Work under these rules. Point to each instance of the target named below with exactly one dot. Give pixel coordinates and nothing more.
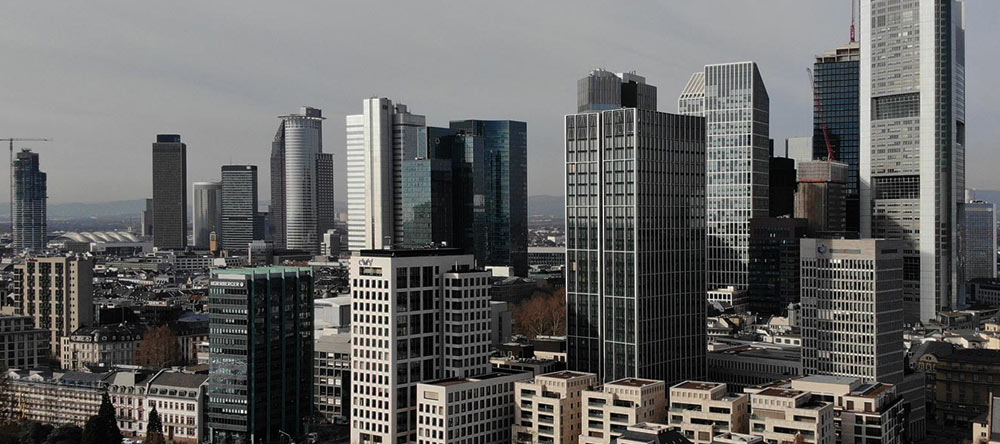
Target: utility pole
(11, 141)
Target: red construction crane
(822, 119)
(11, 141)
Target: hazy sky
(102, 78)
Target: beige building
(57, 292)
(547, 408)
(475, 409)
(610, 410)
(782, 415)
(102, 347)
(863, 412)
(56, 398)
(702, 410)
(21, 344)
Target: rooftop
(411, 252)
(973, 356)
(697, 385)
(780, 393)
(565, 375)
(633, 382)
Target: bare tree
(159, 348)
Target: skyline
(219, 75)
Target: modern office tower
(332, 393)
(475, 409)
(427, 202)
(737, 156)
(405, 319)
(783, 414)
(552, 396)
(774, 263)
(261, 354)
(206, 198)
(303, 142)
(852, 323)
(331, 243)
(913, 120)
(692, 99)
(837, 83)
(326, 213)
(702, 410)
(146, 219)
(239, 208)
(603, 90)
(634, 214)
(369, 175)
(169, 192)
(619, 404)
(22, 345)
(277, 206)
(501, 324)
(821, 197)
(57, 293)
(29, 208)
(501, 168)
(781, 186)
(980, 234)
(799, 149)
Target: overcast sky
(102, 78)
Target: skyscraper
(30, 199)
(57, 293)
(821, 197)
(774, 263)
(635, 214)
(913, 120)
(326, 214)
(240, 223)
(736, 114)
(169, 192)
(277, 207)
(980, 234)
(261, 361)
(369, 175)
(781, 186)
(207, 200)
(837, 80)
(146, 219)
(852, 323)
(692, 99)
(496, 153)
(303, 142)
(604, 90)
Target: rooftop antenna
(853, 4)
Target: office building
(21, 344)
(837, 86)
(603, 90)
(475, 409)
(782, 414)
(702, 410)
(913, 120)
(799, 149)
(302, 137)
(369, 175)
(57, 293)
(326, 213)
(737, 162)
(146, 219)
(821, 197)
(207, 200)
(332, 393)
(418, 316)
(746, 365)
(980, 235)
(619, 404)
(774, 263)
(261, 372)
(634, 214)
(169, 192)
(427, 202)
(240, 225)
(30, 225)
(851, 308)
(692, 99)
(781, 187)
(964, 381)
(277, 207)
(180, 400)
(501, 324)
(549, 408)
(101, 346)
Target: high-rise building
(146, 219)
(837, 83)
(774, 263)
(852, 323)
(603, 90)
(261, 354)
(430, 193)
(737, 141)
(980, 235)
(409, 309)
(912, 172)
(634, 215)
(277, 206)
(497, 173)
(799, 149)
(240, 224)
(781, 186)
(169, 192)
(30, 197)
(206, 198)
(369, 175)
(692, 99)
(821, 197)
(303, 142)
(326, 213)
(57, 293)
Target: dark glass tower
(277, 211)
(774, 263)
(492, 166)
(261, 362)
(30, 198)
(240, 224)
(838, 84)
(169, 192)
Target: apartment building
(784, 415)
(702, 410)
(548, 408)
(609, 410)
(478, 409)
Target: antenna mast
(852, 21)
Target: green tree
(154, 431)
(102, 428)
(65, 434)
(34, 432)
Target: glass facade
(980, 235)
(774, 263)
(427, 202)
(30, 197)
(837, 77)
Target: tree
(154, 431)
(65, 434)
(102, 428)
(542, 315)
(159, 349)
(34, 432)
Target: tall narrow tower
(303, 141)
(30, 197)
(169, 192)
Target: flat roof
(565, 374)
(411, 252)
(780, 393)
(633, 382)
(697, 385)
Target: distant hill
(78, 210)
(551, 206)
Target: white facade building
(549, 407)
(477, 409)
(303, 142)
(206, 199)
(610, 409)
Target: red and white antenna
(852, 21)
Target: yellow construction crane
(11, 140)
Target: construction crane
(822, 119)
(11, 140)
